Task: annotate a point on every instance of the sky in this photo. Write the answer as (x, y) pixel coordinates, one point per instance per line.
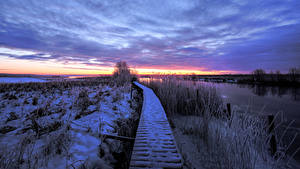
(152, 36)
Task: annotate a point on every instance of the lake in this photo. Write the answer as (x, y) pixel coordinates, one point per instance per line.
(264, 99)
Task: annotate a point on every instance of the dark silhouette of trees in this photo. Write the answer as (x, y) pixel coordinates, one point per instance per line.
(293, 74)
(292, 77)
(272, 76)
(278, 76)
(259, 75)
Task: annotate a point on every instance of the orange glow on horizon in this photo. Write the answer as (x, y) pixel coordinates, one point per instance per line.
(18, 66)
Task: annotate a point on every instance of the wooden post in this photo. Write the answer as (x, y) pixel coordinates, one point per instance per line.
(271, 125)
(228, 110)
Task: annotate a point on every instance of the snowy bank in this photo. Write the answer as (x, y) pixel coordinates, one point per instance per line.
(20, 80)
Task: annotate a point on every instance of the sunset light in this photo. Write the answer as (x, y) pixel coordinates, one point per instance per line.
(136, 84)
(181, 37)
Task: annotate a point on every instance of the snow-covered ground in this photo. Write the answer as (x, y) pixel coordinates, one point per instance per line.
(20, 80)
(59, 128)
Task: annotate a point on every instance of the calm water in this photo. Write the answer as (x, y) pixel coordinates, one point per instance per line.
(263, 99)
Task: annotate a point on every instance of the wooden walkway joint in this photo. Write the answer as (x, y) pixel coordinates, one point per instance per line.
(154, 145)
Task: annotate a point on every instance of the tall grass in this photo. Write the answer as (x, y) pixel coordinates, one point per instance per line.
(26, 154)
(186, 99)
(225, 140)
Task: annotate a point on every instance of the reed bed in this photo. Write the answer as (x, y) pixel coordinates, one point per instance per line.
(186, 99)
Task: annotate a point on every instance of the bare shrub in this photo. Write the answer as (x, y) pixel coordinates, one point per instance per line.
(83, 101)
(122, 73)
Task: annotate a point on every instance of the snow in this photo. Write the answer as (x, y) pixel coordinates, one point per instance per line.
(84, 146)
(60, 106)
(20, 80)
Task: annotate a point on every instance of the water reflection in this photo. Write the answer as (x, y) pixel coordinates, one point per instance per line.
(276, 91)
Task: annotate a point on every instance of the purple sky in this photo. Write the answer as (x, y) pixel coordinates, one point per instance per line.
(219, 35)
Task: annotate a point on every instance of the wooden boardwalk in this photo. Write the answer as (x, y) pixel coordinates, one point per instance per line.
(154, 145)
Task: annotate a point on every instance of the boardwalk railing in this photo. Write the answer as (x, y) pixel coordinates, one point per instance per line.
(154, 145)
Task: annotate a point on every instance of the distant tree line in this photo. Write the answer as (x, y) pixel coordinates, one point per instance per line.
(260, 75)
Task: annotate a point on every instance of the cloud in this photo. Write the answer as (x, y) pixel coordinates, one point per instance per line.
(212, 35)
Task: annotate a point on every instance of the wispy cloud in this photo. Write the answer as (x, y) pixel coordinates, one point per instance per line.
(208, 35)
